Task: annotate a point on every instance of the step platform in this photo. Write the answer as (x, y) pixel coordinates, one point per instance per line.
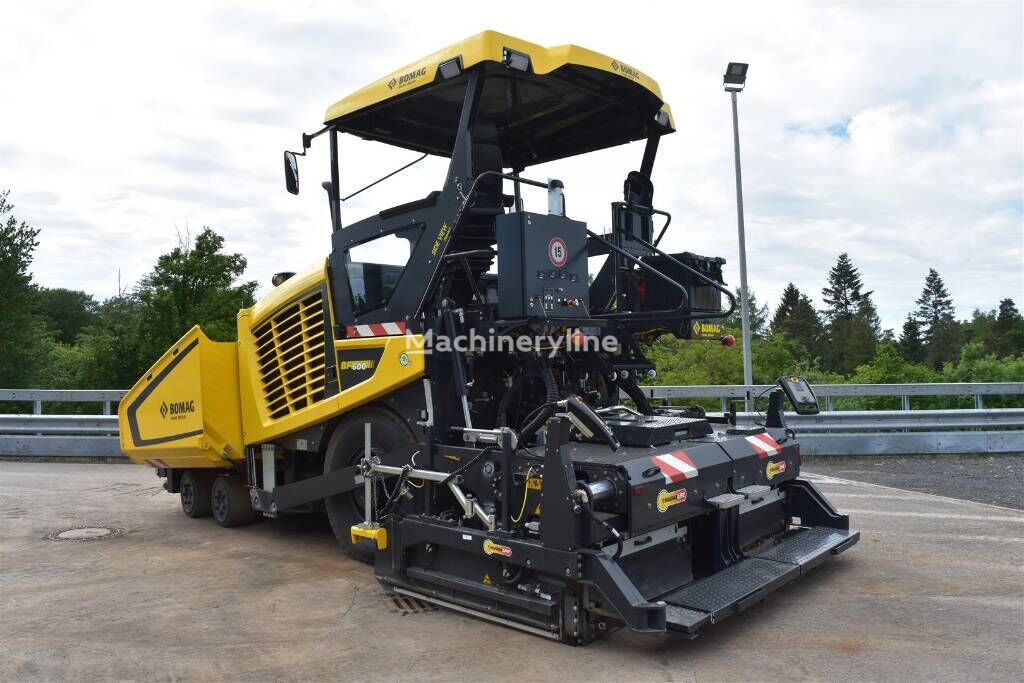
(713, 598)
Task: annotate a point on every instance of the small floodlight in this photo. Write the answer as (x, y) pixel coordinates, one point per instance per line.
(735, 76)
(451, 68)
(516, 60)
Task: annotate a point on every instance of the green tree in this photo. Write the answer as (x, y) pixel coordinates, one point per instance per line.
(910, 345)
(934, 304)
(775, 356)
(21, 331)
(978, 365)
(194, 284)
(863, 334)
(796, 318)
(66, 311)
(758, 316)
(941, 331)
(683, 362)
(843, 294)
(1008, 330)
(887, 367)
(852, 325)
(112, 345)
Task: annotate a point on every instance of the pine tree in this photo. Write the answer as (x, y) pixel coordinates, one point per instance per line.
(910, 344)
(1008, 329)
(934, 304)
(20, 328)
(864, 332)
(944, 343)
(853, 327)
(796, 318)
(940, 330)
(843, 293)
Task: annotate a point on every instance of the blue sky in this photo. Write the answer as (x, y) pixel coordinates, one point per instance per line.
(892, 131)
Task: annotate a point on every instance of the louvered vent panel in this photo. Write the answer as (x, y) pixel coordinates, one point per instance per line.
(290, 355)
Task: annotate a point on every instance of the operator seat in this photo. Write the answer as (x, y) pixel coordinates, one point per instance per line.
(633, 214)
(476, 232)
(489, 200)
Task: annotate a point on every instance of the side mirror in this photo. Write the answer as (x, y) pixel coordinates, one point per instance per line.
(291, 172)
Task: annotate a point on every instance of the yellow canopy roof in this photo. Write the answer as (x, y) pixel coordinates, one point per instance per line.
(568, 100)
(486, 46)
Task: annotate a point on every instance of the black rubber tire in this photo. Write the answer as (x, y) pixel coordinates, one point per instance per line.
(345, 449)
(195, 493)
(230, 502)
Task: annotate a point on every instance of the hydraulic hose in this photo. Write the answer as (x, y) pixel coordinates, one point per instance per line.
(512, 392)
(546, 410)
(634, 392)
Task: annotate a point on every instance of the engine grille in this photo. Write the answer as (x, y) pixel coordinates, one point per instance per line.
(290, 356)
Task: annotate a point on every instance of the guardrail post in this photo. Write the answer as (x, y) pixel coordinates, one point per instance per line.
(828, 403)
(905, 402)
(106, 407)
(37, 407)
(725, 405)
(979, 401)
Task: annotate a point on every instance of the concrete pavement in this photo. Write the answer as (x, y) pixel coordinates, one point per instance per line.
(934, 590)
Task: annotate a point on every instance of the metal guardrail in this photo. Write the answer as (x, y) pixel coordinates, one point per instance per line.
(886, 432)
(39, 435)
(977, 390)
(832, 432)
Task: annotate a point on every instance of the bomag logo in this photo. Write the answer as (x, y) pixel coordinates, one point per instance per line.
(356, 365)
(702, 328)
(625, 70)
(667, 499)
(774, 469)
(492, 548)
(407, 78)
(177, 410)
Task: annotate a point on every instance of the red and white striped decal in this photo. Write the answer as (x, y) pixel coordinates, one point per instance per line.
(765, 445)
(154, 462)
(675, 466)
(375, 330)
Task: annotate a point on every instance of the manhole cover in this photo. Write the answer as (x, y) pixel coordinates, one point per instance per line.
(85, 533)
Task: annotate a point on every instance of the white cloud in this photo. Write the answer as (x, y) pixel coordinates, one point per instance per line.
(892, 131)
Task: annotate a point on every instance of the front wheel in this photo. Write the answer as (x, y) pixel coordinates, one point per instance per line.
(345, 449)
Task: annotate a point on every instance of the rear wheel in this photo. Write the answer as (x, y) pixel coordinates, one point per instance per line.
(195, 492)
(230, 502)
(345, 449)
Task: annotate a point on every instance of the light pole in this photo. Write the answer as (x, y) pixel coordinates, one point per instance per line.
(734, 79)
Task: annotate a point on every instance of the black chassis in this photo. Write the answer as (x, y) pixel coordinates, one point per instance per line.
(564, 578)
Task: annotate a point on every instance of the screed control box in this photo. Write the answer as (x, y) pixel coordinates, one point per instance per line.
(542, 266)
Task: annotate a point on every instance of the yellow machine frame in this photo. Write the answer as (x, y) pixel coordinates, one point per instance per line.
(204, 401)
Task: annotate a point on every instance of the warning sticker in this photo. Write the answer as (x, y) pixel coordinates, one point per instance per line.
(557, 252)
(675, 466)
(765, 445)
